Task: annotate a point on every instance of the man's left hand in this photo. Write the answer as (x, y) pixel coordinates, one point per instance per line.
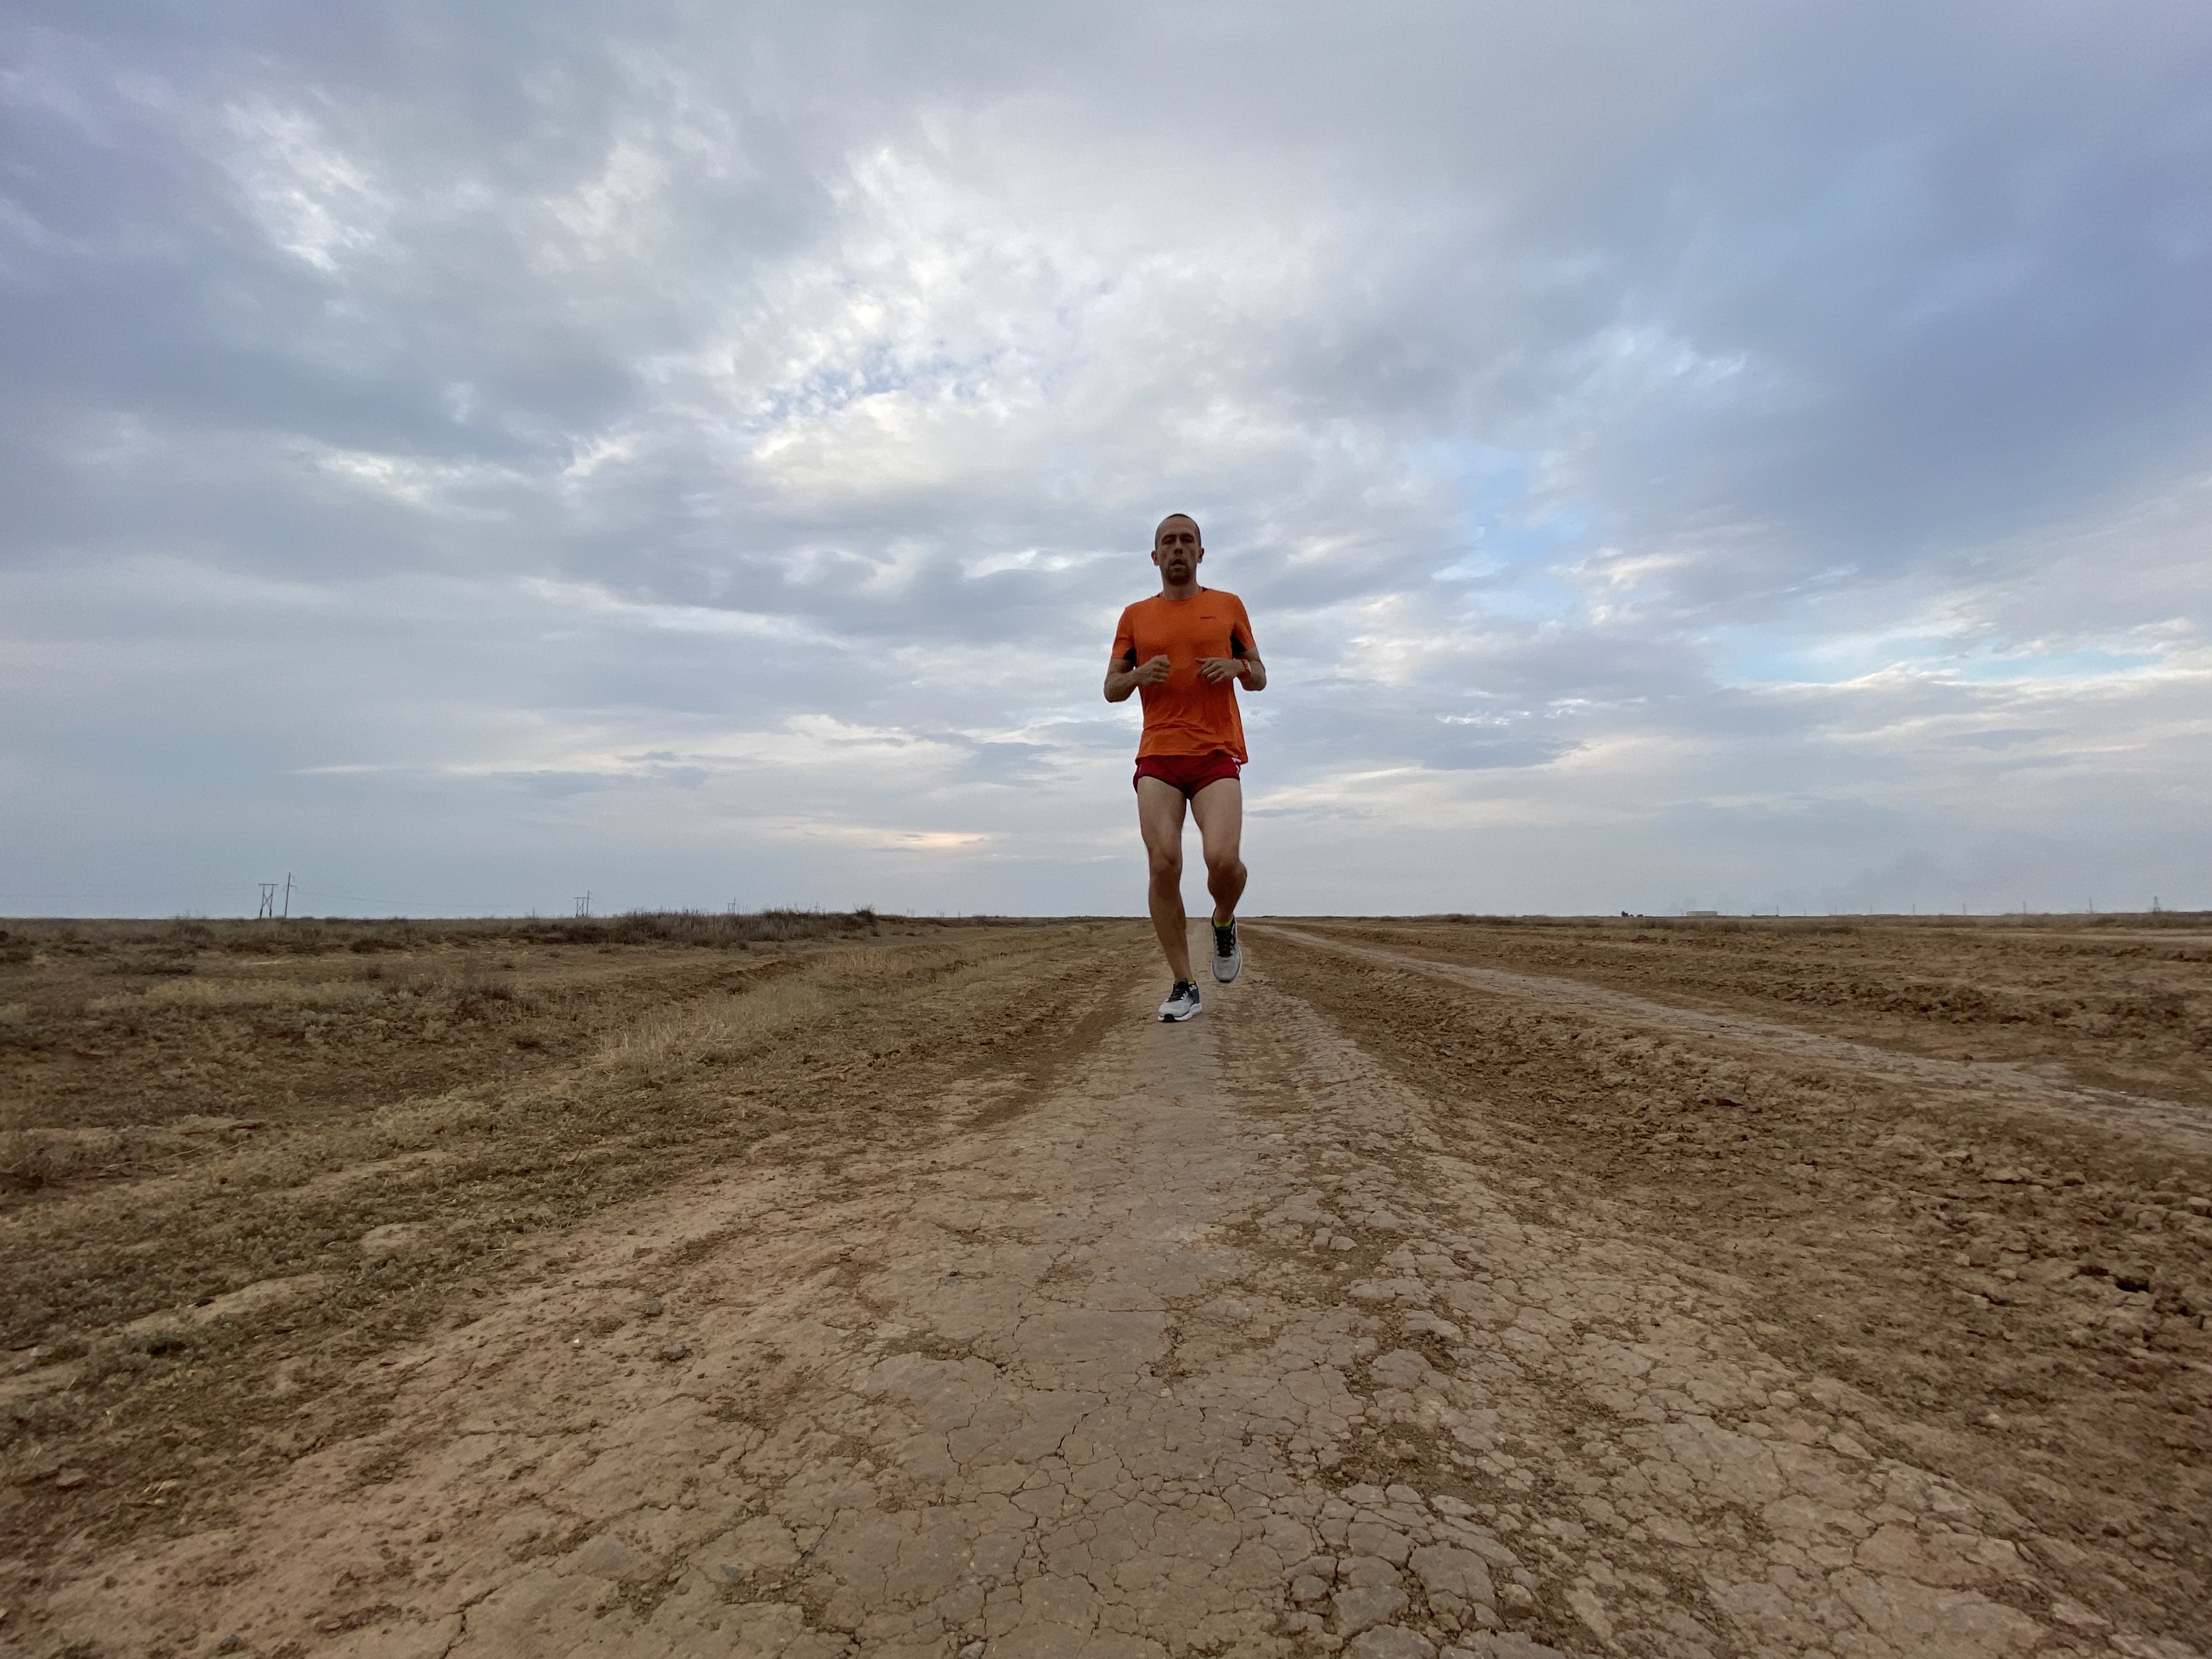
(1215, 670)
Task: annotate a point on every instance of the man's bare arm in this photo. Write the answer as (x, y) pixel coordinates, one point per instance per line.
(1120, 682)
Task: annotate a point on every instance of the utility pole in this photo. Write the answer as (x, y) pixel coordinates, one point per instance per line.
(288, 895)
(267, 910)
(583, 905)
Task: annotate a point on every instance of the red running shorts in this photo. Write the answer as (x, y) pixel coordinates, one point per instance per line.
(1188, 773)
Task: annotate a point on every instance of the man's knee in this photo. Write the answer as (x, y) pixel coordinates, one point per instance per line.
(1224, 866)
(1166, 863)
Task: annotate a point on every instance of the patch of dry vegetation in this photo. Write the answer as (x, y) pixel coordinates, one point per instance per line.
(129, 1025)
(221, 1190)
(2119, 1001)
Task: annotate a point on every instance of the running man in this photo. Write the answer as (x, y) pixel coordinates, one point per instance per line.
(1187, 649)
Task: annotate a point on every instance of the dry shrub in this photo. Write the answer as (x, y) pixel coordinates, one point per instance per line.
(479, 983)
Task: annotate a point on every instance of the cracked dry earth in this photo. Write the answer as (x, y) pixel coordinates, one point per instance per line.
(1220, 1348)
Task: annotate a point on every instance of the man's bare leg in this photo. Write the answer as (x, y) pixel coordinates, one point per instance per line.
(1220, 809)
(1159, 816)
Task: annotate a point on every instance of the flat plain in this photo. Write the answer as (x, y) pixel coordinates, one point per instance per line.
(838, 1285)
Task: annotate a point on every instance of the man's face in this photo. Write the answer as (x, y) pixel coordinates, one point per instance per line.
(1177, 551)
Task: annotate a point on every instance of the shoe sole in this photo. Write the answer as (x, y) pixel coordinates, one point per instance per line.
(1178, 1019)
(1236, 967)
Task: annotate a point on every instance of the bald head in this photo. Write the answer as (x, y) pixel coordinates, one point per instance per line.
(1177, 551)
(1180, 521)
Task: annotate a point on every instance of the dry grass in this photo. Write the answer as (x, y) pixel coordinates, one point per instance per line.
(2157, 923)
(2120, 1001)
(241, 993)
(722, 1031)
(22, 940)
(171, 1140)
(30, 1158)
(770, 1006)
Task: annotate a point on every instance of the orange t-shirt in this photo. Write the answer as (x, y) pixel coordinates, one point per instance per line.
(1184, 714)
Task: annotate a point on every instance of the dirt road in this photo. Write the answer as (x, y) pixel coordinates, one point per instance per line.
(1399, 1305)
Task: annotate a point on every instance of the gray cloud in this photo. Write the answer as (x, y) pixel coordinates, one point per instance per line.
(482, 453)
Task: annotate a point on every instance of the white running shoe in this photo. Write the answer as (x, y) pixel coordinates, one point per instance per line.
(1228, 955)
(1181, 1003)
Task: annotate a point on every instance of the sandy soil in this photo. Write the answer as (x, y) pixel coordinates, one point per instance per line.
(1444, 1288)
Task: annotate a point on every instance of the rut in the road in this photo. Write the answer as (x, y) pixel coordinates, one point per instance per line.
(1216, 1350)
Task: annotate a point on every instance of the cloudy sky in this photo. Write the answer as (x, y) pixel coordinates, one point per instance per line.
(1707, 455)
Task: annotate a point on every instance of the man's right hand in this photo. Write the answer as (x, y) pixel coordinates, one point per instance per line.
(1122, 683)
